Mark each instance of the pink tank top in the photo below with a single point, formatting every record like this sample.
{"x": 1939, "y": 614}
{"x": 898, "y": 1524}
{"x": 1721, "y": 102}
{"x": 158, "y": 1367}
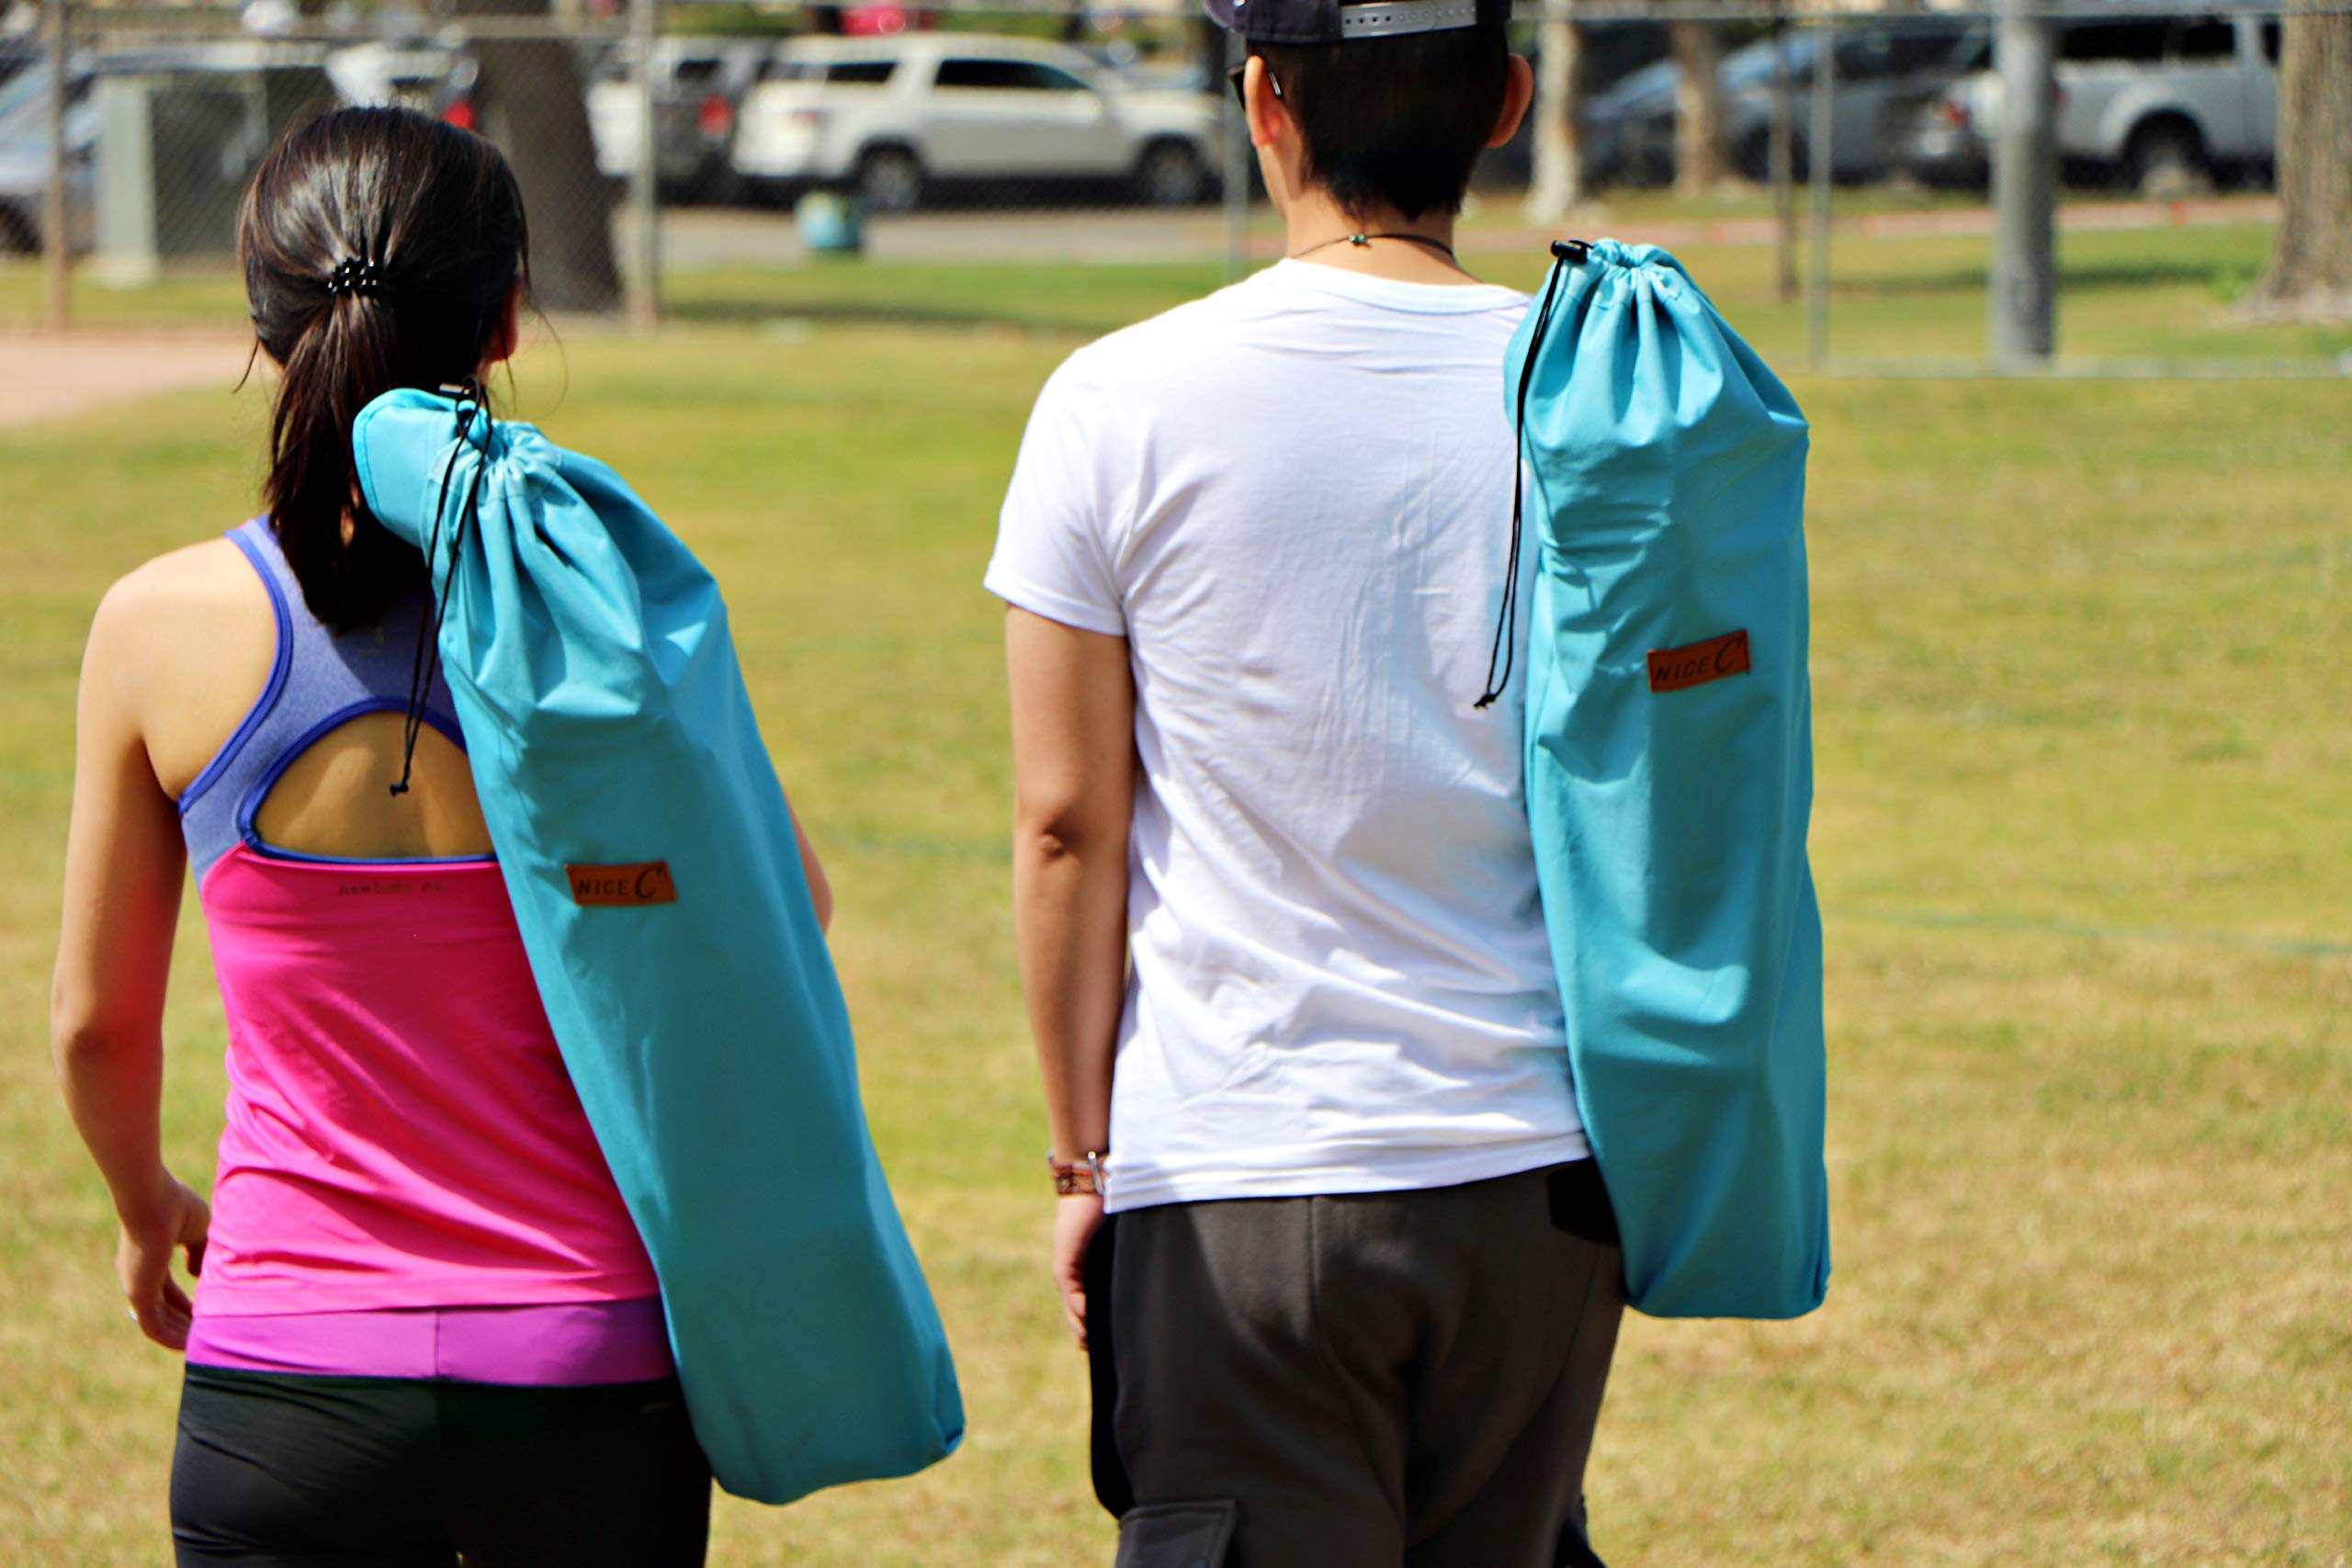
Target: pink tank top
{"x": 402, "y": 1134}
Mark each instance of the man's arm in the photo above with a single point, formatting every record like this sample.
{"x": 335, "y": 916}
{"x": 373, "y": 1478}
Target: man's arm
{"x": 1073, "y": 765}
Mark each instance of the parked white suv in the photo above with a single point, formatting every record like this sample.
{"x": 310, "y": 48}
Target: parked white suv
{"x": 891, "y": 116}
{"x": 2167, "y": 101}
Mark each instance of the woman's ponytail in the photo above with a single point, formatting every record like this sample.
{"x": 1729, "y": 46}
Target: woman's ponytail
{"x": 379, "y": 249}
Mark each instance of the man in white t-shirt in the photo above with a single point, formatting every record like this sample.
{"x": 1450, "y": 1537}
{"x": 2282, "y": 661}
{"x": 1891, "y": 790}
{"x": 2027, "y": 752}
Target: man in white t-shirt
{"x": 1275, "y": 896}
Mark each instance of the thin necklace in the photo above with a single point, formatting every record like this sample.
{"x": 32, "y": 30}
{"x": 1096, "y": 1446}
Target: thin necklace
{"x": 1361, "y": 240}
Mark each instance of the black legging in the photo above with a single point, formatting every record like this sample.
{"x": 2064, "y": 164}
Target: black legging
{"x": 277, "y": 1470}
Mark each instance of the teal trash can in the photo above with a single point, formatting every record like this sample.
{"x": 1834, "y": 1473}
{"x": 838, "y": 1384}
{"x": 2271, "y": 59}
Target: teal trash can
{"x": 831, "y": 223}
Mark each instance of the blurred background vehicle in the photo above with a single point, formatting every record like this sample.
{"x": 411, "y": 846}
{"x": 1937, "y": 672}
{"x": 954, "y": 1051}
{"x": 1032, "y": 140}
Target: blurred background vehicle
{"x": 1607, "y": 53}
{"x": 2163, "y": 104}
{"x": 897, "y": 118}
{"x": 417, "y": 76}
{"x": 16, "y": 52}
{"x": 24, "y": 155}
{"x": 698, "y": 89}
{"x": 1629, "y": 128}
{"x": 184, "y": 124}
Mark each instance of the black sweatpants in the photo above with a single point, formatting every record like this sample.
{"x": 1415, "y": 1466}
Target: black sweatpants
{"x": 1385, "y": 1380}
{"x": 280, "y": 1470}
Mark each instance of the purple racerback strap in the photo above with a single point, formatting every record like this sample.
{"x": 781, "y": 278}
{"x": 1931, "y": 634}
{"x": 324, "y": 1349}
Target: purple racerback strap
{"x": 321, "y": 680}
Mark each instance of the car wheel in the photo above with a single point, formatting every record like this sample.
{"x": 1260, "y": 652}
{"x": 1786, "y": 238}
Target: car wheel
{"x": 721, "y": 186}
{"x": 17, "y": 235}
{"x": 889, "y": 180}
{"x": 1754, "y": 158}
{"x": 2167, "y": 159}
{"x": 1169, "y": 174}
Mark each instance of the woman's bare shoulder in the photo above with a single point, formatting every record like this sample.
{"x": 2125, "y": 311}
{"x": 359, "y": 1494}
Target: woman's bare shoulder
{"x": 212, "y": 575}
{"x": 183, "y": 605}
{"x": 182, "y": 644}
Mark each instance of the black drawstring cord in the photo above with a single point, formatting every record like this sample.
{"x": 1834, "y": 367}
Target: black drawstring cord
{"x": 1505, "y": 647}
{"x": 472, "y": 399}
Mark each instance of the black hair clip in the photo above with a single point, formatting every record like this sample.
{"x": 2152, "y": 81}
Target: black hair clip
{"x": 354, "y": 275}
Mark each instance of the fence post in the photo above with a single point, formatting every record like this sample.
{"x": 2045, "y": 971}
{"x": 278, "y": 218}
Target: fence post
{"x": 57, "y": 238}
{"x": 2025, "y": 187}
{"x": 644, "y": 272}
{"x": 1781, "y": 156}
{"x": 1820, "y": 146}
{"x": 1237, "y": 157}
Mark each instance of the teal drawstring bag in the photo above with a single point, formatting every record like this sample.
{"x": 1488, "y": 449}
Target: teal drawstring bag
{"x": 1669, "y": 775}
{"x": 651, "y": 858}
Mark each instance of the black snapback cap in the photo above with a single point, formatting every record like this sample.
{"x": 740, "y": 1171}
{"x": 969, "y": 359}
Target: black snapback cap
{"x": 1329, "y": 21}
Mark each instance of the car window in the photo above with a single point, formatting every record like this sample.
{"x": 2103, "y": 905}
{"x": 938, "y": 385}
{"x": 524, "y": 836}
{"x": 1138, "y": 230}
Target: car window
{"x": 2204, "y": 38}
{"x": 22, "y": 89}
{"x": 2270, "y": 37}
{"x": 1893, "y": 54}
{"x": 696, "y": 71}
{"x": 1025, "y": 75}
{"x": 859, "y": 73}
{"x": 1974, "y": 52}
{"x": 1922, "y": 50}
{"x": 25, "y": 98}
{"x": 2113, "y": 42}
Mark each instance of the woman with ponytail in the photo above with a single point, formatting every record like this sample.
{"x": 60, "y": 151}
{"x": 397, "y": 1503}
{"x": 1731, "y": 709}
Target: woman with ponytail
{"x": 423, "y": 1328}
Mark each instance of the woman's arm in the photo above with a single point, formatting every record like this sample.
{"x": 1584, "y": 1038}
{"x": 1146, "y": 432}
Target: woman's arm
{"x": 821, "y": 891}
{"x": 124, "y": 865}
{"x": 1073, "y": 764}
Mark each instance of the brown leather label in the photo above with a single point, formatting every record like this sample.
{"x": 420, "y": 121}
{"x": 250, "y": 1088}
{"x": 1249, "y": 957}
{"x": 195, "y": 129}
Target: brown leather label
{"x": 1672, "y": 668}
{"x": 641, "y": 882}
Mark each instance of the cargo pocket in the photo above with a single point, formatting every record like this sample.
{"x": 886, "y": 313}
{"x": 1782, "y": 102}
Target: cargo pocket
{"x": 1576, "y": 1547}
{"x": 1175, "y": 1535}
{"x": 1112, "y": 1488}
{"x": 1580, "y": 1203}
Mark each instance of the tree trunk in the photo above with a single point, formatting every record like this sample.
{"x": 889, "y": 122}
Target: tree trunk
{"x": 1699, "y": 158}
{"x": 1558, "y": 183}
{"x": 532, "y": 104}
{"x": 2311, "y": 262}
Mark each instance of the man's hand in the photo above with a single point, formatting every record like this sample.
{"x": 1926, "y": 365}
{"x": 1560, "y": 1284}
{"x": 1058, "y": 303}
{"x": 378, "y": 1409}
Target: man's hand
{"x": 1076, "y": 1219}
{"x": 178, "y": 1218}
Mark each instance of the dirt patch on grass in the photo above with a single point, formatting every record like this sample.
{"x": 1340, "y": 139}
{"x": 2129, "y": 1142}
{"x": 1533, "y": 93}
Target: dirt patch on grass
{"x": 50, "y": 376}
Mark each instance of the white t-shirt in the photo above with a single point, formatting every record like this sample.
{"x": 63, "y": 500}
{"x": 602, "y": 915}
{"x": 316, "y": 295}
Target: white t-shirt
{"x": 1292, "y": 499}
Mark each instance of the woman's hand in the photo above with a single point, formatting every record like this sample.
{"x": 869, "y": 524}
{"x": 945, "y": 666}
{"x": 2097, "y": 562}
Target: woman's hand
{"x": 1076, "y": 1219}
{"x": 177, "y": 1219}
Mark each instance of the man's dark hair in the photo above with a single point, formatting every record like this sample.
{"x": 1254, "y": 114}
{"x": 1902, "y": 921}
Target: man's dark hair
{"x": 1395, "y": 122}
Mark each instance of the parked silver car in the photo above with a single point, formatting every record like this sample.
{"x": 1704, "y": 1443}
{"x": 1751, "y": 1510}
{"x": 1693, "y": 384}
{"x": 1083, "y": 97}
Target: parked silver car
{"x": 698, "y": 88}
{"x": 208, "y": 112}
{"x": 1628, "y": 130}
{"x": 23, "y": 156}
{"x": 2162, "y": 104}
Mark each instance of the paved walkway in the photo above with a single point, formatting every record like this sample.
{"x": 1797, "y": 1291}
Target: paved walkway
{"x": 44, "y": 377}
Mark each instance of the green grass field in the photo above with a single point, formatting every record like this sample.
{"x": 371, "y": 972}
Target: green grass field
{"x": 2084, "y": 838}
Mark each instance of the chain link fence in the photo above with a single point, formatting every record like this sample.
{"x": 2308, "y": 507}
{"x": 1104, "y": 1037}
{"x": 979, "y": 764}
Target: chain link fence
{"x": 1845, "y": 159}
